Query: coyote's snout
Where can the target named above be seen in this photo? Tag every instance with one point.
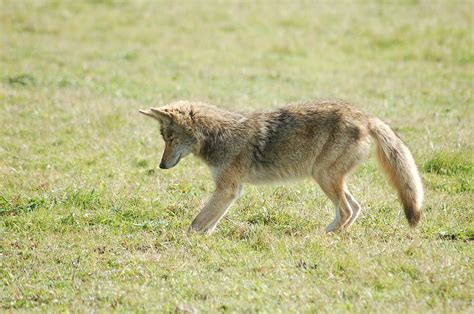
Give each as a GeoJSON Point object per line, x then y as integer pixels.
{"type": "Point", "coordinates": [171, 156]}
{"type": "Point", "coordinates": [324, 140]}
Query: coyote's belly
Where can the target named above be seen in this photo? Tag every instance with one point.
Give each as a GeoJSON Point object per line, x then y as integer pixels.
{"type": "Point", "coordinates": [283, 166]}
{"type": "Point", "coordinates": [265, 176]}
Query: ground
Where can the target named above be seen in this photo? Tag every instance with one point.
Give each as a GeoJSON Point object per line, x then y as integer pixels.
{"type": "Point", "coordinates": [89, 223]}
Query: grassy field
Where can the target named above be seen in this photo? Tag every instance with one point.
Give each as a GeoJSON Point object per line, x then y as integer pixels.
{"type": "Point", "coordinates": [89, 223]}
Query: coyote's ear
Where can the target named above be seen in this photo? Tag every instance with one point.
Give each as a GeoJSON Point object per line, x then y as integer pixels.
{"type": "Point", "coordinates": [147, 113]}
{"type": "Point", "coordinates": [161, 115]}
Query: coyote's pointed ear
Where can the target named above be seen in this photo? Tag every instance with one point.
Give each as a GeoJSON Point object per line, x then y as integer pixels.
{"type": "Point", "coordinates": [162, 116]}
{"type": "Point", "coordinates": [147, 113]}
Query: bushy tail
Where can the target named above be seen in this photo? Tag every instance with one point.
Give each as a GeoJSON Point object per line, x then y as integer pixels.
{"type": "Point", "coordinates": [398, 163]}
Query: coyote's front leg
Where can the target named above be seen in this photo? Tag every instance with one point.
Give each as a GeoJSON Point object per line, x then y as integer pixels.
{"type": "Point", "coordinates": [207, 219]}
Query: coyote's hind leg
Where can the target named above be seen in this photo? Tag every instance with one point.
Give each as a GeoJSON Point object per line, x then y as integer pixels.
{"type": "Point", "coordinates": [330, 172]}
{"type": "Point", "coordinates": [356, 208]}
{"type": "Point", "coordinates": [337, 219]}
{"type": "Point", "coordinates": [334, 189]}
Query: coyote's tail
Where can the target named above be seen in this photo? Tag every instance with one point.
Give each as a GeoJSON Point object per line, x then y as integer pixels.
{"type": "Point", "coordinates": [398, 163]}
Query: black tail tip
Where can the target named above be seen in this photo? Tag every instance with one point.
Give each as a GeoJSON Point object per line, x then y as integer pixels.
{"type": "Point", "coordinates": [413, 217]}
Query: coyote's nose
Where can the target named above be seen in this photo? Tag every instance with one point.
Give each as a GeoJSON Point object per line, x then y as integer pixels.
{"type": "Point", "coordinates": [163, 165]}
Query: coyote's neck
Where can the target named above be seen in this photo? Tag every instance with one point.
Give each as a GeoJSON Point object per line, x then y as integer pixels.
{"type": "Point", "coordinates": [219, 144]}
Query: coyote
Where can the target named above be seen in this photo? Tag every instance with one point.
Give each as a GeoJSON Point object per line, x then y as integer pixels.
{"type": "Point", "coordinates": [324, 140]}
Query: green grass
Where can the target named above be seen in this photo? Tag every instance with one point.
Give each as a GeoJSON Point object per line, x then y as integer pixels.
{"type": "Point", "coordinates": [88, 222]}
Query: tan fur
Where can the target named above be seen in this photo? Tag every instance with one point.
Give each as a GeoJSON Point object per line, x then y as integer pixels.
{"type": "Point", "coordinates": [324, 140]}
{"type": "Point", "coordinates": [397, 161]}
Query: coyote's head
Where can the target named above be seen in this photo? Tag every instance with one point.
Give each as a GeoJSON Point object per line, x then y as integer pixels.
{"type": "Point", "coordinates": [176, 127]}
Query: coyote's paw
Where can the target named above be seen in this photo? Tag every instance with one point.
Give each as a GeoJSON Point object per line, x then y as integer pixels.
{"type": "Point", "coordinates": [333, 225]}
{"type": "Point", "coordinates": [197, 228]}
